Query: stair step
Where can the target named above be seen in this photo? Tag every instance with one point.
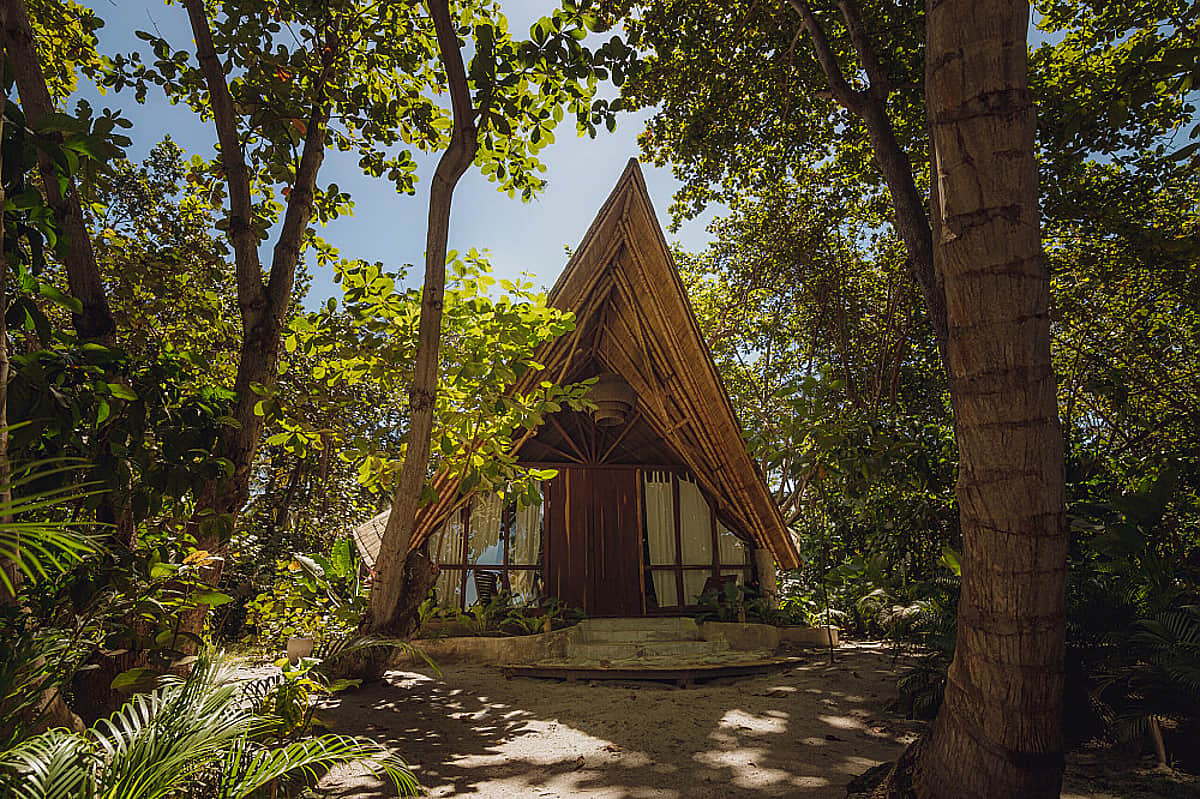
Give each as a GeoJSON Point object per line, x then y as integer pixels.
{"type": "Point", "coordinates": [637, 630]}
{"type": "Point", "coordinates": [630, 650]}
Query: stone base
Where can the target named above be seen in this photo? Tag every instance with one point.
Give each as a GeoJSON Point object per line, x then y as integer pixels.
{"type": "Point", "coordinates": [652, 640]}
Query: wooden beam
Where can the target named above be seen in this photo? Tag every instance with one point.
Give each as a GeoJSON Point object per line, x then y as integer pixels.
{"type": "Point", "coordinates": [566, 436]}
{"type": "Point", "coordinates": [624, 432]}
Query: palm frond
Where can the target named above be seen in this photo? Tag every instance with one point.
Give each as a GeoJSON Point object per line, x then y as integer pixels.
{"type": "Point", "coordinates": [333, 650]}
{"type": "Point", "coordinates": [246, 768]}
{"type": "Point", "coordinates": [39, 547]}
{"type": "Point", "coordinates": [177, 737]}
{"type": "Point", "coordinates": [58, 764]}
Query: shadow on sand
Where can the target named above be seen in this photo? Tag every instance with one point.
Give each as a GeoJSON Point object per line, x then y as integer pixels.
{"type": "Point", "coordinates": [803, 731]}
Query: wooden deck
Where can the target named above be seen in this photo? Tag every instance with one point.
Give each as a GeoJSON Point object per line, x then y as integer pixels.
{"type": "Point", "coordinates": [681, 675]}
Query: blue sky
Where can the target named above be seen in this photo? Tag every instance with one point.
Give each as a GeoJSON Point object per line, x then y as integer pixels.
{"type": "Point", "coordinates": [389, 227]}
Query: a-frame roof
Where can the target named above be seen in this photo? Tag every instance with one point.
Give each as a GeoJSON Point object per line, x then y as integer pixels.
{"type": "Point", "coordinates": [633, 316]}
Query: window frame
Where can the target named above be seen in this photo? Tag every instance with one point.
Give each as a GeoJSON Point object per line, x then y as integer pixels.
{"type": "Point", "coordinates": [714, 569]}
{"type": "Point", "coordinates": [463, 567]}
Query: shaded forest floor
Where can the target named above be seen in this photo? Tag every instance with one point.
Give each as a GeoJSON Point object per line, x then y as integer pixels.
{"type": "Point", "coordinates": [803, 732]}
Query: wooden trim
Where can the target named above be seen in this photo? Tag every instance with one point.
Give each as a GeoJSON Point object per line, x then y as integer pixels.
{"type": "Point", "coordinates": [489, 567]}
{"type": "Point", "coordinates": [466, 550]}
{"type": "Point", "coordinates": [716, 545]}
{"type": "Point", "coordinates": [553, 448]}
{"type": "Point", "coordinates": [678, 542]}
{"type": "Point", "coordinates": [641, 549]}
{"type": "Point", "coordinates": [624, 432]}
{"type": "Point", "coordinates": [649, 467]}
{"type": "Point", "coordinates": [553, 421]}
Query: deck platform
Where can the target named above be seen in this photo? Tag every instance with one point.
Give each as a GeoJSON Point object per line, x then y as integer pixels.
{"type": "Point", "coordinates": [682, 675]}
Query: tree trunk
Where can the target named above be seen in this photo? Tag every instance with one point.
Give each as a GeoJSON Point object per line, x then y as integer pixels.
{"type": "Point", "coordinates": [388, 606]}
{"type": "Point", "coordinates": [11, 572]}
{"type": "Point", "coordinates": [263, 304]}
{"type": "Point", "coordinates": [999, 730]}
{"type": "Point", "coordinates": [94, 322]}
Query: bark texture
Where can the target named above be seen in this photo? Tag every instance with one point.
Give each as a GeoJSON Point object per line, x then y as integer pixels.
{"type": "Point", "coordinates": [388, 606]}
{"type": "Point", "coordinates": [263, 305]}
{"type": "Point", "coordinates": [9, 567]}
{"type": "Point", "coordinates": [999, 730]}
{"type": "Point", "coordinates": [94, 322]}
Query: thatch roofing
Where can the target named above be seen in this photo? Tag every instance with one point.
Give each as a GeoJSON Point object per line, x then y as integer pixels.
{"type": "Point", "coordinates": [633, 317]}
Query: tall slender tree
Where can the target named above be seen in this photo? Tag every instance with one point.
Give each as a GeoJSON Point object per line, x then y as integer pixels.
{"type": "Point", "coordinates": [998, 733]}
{"type": "Point", "coordinates": [390, 584]}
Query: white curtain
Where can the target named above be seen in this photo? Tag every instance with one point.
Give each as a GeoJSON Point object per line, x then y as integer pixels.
{"type": "Point", "coordinates": [660, 535]}
{"type": "Point", "coordinates": [525, 542]}
{"type": "Point", "coordinates": [484, 549]}
{"type": "Point", "coordinates": [693, 584]}
{"type": "Point", "coordinates": [449, 584]}
{"type": "Point", "coordinates": [731, 549]}
{"type": "Point", "coordinates": [695, 526]}
{"type": "Point", "coordinates": [445, 546]}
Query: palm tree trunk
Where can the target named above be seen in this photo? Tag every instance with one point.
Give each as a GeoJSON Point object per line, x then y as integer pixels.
{"type": "Point", "coordinates": [999, 730]}
{"type": "Point", "coordinates": [11, 572]}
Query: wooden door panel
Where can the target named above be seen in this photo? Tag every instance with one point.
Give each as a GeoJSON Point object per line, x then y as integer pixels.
{"type": "Point", "coordinates": [613, 558]}
{"type": "Point", "coordinates": [593, 541]}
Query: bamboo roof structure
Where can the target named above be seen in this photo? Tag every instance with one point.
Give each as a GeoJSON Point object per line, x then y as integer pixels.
{"type": "Point", "coordinates": [633, 318]}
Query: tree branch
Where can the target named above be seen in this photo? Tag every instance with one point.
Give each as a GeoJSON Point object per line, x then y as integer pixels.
{"type": "Point", "coordinates": [250, 287]}
{"type": "Point", "coordinates": [838, 86]}
{"type": "Point", "coordinates": [877, 79]}
{"type": "Point", "coordinates": [912, 220]}
{"type": "Point", "coordinates": [94, 322]}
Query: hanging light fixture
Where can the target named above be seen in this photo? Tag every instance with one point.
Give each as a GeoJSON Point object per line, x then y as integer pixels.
{"type": "Point", "coordinates": [614, 400]}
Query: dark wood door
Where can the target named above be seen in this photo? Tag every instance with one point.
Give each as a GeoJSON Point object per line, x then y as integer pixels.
{"type": "Point", "coordinates": [593, 541]}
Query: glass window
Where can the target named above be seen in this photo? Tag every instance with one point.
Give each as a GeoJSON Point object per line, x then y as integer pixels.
{"type": "Point", "coordinates": [695, 525]}
{"type": "Point", "coordinates": [660, 536]}
{"type": "Point", "coordinates": [730, 548]}
{"type": "Point", "coordinates": [694, 565]}
{"type": "Point", "coordinates": [490, 545]}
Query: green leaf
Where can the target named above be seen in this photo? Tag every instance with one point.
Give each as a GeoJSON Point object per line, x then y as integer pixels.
{"type": "Point", "coordinates": [121, 391]}
{"type": "Point", "coordinates": [211, 598]}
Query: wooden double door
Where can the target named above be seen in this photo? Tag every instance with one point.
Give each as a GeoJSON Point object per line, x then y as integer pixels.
{"type": "Point", "coordinates": [593, 540]}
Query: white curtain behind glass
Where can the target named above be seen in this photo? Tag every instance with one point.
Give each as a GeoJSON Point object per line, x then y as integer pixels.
{"type": "Point", "coordinates": [445, 546]}
{"type": "Point", "coordinates": [660, 535]}
{"type": "Point", "coordinates": [526, 540]}
{"type": "Point", "coordinates": [695, 525]}
{"type": "Point", "coordinates": [485, 530]}
{"type": "Point", "coordinates": [695, 529]}
{"type": "Point", "coordinates": [731, 549]}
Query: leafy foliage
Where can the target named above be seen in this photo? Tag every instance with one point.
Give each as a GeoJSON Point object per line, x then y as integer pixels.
{"type": "Point", "coordinates": [196, 734]}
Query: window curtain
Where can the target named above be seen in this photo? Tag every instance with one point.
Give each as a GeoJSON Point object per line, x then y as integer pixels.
{"type": "Point", "coordinates": [449, 586]}
{"type": "Point", "coordinates": [525, 541]}
{"type": "Point", "coordinates": [445, 547]}
{"type": "Point", "coordinates": [731, 549]}
{"type": "Point", "coordinates": [732, 552]}
{"type": "Point", "coordinates": [695, 526]}
{"type": "Point", "coordinates": [660, 535]}
{"type": "Point", "coordinates": [483, 539]}
{"type": "Point", "coordinates": [486, 510]}
{"type": "Point", "coordinates": [695, 530]}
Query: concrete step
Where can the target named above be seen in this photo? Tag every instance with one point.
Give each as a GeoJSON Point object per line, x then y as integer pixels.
{"type": "Point", "coordinates": [629, 650]}
{"type": "Point", "coordinates": [636, 630]}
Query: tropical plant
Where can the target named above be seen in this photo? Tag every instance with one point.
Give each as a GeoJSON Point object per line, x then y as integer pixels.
{"type": "Point", "coordinates": [34, 543]}
{"type": "Point", "coordinates": [316, 595]}
{"type": "Point", "coordinates": [1154, 672]}
{"type": "Point", "coordinates": [197, 736]}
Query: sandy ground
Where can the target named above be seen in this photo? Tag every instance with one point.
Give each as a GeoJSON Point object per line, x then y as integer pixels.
{"type": "Point", "coordinates": [802, 732]}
